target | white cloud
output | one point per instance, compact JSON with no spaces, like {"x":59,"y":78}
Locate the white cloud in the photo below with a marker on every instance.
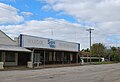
{"x":103,"y":13}
{"x":27,"y":14}
{"x":59,"y":29}
{"x":9,"y":15}
{"x":91,"y":10}
{"x":63,"y":30}
{"x":46,"y":7}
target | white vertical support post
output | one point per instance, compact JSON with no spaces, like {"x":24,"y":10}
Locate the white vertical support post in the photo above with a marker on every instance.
{"x":71,"y":57}
{"x":30,"y":63}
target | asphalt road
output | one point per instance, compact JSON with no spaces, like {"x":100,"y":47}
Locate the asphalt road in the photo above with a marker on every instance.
{"x":89,"y":73}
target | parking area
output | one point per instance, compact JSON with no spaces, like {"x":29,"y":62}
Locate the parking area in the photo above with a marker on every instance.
{"x":88,"y":73}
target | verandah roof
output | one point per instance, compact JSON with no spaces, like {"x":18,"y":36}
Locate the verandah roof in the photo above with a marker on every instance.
{"x":13,"y":48}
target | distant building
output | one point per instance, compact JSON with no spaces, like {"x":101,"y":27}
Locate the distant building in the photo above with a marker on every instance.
{"x":85,"y":54}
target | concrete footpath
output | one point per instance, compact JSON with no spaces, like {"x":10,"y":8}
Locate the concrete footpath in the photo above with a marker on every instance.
{"x":90,"y":73}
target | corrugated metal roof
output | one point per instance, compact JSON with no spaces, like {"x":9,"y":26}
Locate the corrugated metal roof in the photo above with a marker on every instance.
{"x":13,"y":48}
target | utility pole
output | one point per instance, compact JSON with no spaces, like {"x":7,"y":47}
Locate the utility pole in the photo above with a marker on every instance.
{"x":90,"y":31}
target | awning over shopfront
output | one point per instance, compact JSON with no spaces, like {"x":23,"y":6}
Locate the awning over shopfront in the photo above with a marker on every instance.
{"x":13,"y":48}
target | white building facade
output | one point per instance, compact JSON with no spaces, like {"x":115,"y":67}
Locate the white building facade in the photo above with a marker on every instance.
{"x":48,"y":51}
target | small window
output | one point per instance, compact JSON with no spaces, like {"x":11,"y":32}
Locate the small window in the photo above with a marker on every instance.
{"x":10,"y":57}
{"x":0,"y":56}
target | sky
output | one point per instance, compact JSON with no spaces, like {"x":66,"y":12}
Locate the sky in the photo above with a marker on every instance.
{"x":65,"y":20}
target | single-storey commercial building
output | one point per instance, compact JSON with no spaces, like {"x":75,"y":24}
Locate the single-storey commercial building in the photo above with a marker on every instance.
{"x":36,"y":51}
{"x":49,"y":51}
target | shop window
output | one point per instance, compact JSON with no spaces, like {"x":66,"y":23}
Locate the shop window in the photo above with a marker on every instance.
{"x":0,"y":56}
{"x":10,"y":57}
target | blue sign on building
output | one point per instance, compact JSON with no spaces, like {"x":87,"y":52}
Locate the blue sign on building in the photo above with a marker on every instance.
{"x":51,"y":43}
